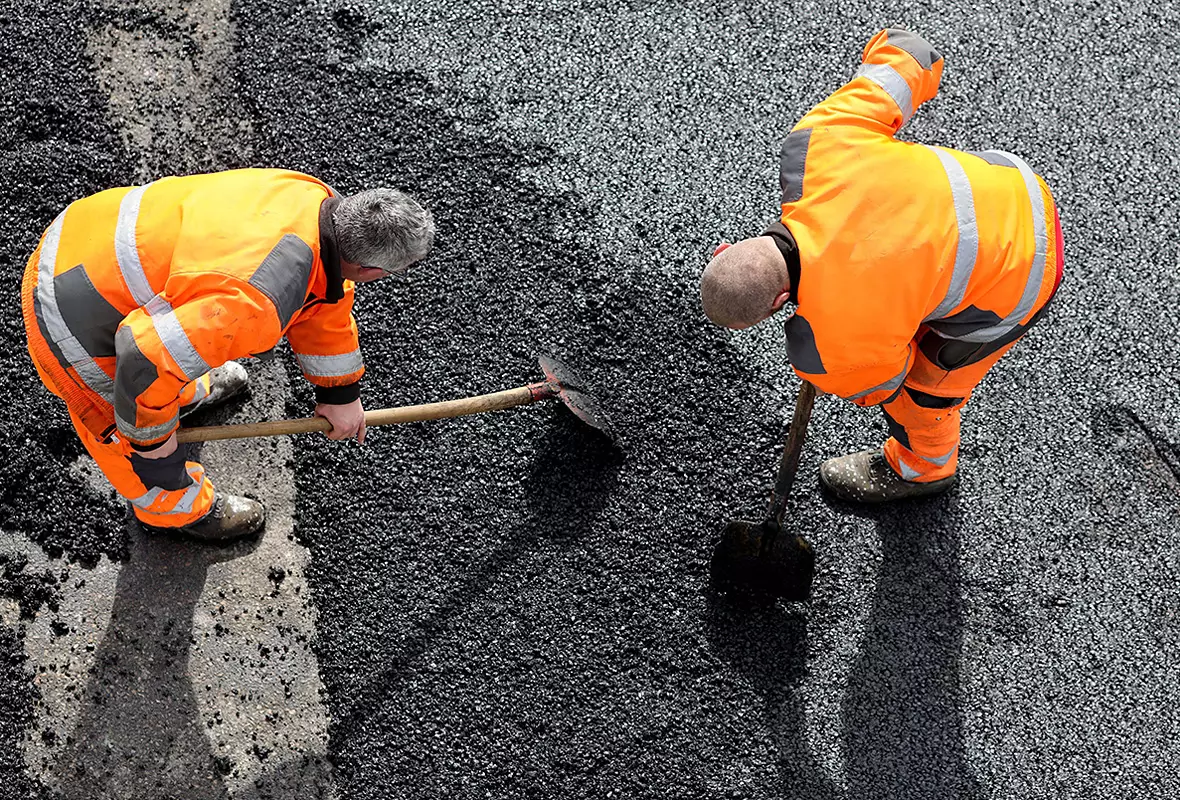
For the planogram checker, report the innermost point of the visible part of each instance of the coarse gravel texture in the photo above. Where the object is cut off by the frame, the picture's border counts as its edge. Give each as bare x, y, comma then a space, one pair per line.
507, 606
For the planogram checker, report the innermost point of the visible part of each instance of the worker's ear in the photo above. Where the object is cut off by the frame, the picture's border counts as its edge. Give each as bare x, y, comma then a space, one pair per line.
781, 299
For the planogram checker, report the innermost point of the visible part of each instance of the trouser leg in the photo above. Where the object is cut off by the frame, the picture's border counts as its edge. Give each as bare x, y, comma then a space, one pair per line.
164, 493
924, 441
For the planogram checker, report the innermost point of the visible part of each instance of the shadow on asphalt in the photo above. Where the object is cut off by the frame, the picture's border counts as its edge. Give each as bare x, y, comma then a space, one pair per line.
768, 647
139, 731
568, 486
902, 727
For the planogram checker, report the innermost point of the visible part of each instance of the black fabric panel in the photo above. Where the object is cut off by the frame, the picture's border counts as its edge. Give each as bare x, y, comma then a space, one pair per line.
925, 400
284, 274
801, 348
792, 162
133, 374
949, 355
969, 320
896, 430
166, 473
922, 51
87, 314
338, 395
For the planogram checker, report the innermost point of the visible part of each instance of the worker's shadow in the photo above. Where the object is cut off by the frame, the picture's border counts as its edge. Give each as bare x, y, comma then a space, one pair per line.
569, 484
139, 732
902, 712
768, 647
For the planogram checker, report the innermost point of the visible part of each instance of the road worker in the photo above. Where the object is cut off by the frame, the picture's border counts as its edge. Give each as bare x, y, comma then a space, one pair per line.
138, 301
911, 269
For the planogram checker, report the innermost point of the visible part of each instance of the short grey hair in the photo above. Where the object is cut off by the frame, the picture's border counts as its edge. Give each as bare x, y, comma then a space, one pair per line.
383, 228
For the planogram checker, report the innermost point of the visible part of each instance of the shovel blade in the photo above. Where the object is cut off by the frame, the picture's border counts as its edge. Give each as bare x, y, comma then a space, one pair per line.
573, 394
758, 563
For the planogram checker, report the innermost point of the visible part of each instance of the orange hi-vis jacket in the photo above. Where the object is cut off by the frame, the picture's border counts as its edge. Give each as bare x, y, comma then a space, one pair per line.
895, 238
134, 292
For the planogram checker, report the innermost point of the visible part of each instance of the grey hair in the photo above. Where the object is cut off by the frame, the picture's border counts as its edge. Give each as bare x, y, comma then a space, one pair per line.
383, 228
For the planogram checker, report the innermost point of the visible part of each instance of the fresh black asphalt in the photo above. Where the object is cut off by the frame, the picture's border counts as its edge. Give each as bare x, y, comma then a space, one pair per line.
508, 606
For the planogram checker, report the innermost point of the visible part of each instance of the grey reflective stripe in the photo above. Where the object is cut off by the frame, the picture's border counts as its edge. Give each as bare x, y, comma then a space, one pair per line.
145, 501
907, 472
792, 163
992, 157
94, 378
967, 248
940, 461
922, 51
126, 251
89, 316
175, 339
147, 434
1036, 273
284, 274
894, 85
185, 504
893, 383
331, 366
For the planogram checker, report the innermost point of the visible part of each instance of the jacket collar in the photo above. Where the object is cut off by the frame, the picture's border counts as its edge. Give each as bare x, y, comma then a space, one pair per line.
329, 252
790, 250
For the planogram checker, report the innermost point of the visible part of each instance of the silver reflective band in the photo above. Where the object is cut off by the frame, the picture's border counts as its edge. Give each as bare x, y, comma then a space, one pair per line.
95, 379
175, 339
894, 85
184, 505
907, 472
893, 383
330, 366
126, 251
145, 501
967, 249
129, 430
1036, 273
940, 461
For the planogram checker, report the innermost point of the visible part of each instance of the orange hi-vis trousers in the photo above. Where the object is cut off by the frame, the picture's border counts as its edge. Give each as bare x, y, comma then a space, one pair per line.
187, 494
923, 418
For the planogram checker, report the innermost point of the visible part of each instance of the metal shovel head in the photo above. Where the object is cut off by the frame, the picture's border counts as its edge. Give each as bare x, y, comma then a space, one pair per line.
572, 392
758, 563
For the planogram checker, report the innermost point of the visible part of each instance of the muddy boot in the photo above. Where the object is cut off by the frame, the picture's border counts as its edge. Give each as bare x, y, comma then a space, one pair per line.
866, 477
231, 518
225, 382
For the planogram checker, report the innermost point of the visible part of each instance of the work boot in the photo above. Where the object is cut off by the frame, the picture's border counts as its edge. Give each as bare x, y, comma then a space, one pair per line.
231, 518
866, 477
225, 382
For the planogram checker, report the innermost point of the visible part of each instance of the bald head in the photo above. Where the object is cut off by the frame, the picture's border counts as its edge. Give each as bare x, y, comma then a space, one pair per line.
745, 283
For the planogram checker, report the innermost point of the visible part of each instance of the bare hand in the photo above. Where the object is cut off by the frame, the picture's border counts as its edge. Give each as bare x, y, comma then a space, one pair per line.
348, 420
167, 448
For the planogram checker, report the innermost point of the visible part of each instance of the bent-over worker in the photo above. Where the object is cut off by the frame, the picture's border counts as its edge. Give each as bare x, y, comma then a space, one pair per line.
138, 299
912, 268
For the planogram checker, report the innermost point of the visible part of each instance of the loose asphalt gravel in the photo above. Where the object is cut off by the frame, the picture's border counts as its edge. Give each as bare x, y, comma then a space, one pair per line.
505, 605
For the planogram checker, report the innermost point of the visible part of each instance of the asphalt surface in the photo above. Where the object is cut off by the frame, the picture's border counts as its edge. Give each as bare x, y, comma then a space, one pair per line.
505, 605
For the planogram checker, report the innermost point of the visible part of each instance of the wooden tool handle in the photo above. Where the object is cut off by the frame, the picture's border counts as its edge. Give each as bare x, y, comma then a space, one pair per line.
495, 401
792, 452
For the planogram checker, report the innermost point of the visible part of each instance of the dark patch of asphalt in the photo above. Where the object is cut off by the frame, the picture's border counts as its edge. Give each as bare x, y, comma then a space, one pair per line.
509, 607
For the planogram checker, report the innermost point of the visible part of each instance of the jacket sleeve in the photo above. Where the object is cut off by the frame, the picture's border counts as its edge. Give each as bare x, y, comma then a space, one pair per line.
899, 71
178, 337
868, 374
325, 342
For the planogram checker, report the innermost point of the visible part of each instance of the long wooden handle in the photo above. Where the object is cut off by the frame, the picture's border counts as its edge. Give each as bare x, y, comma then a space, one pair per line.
791, 453
509, 398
